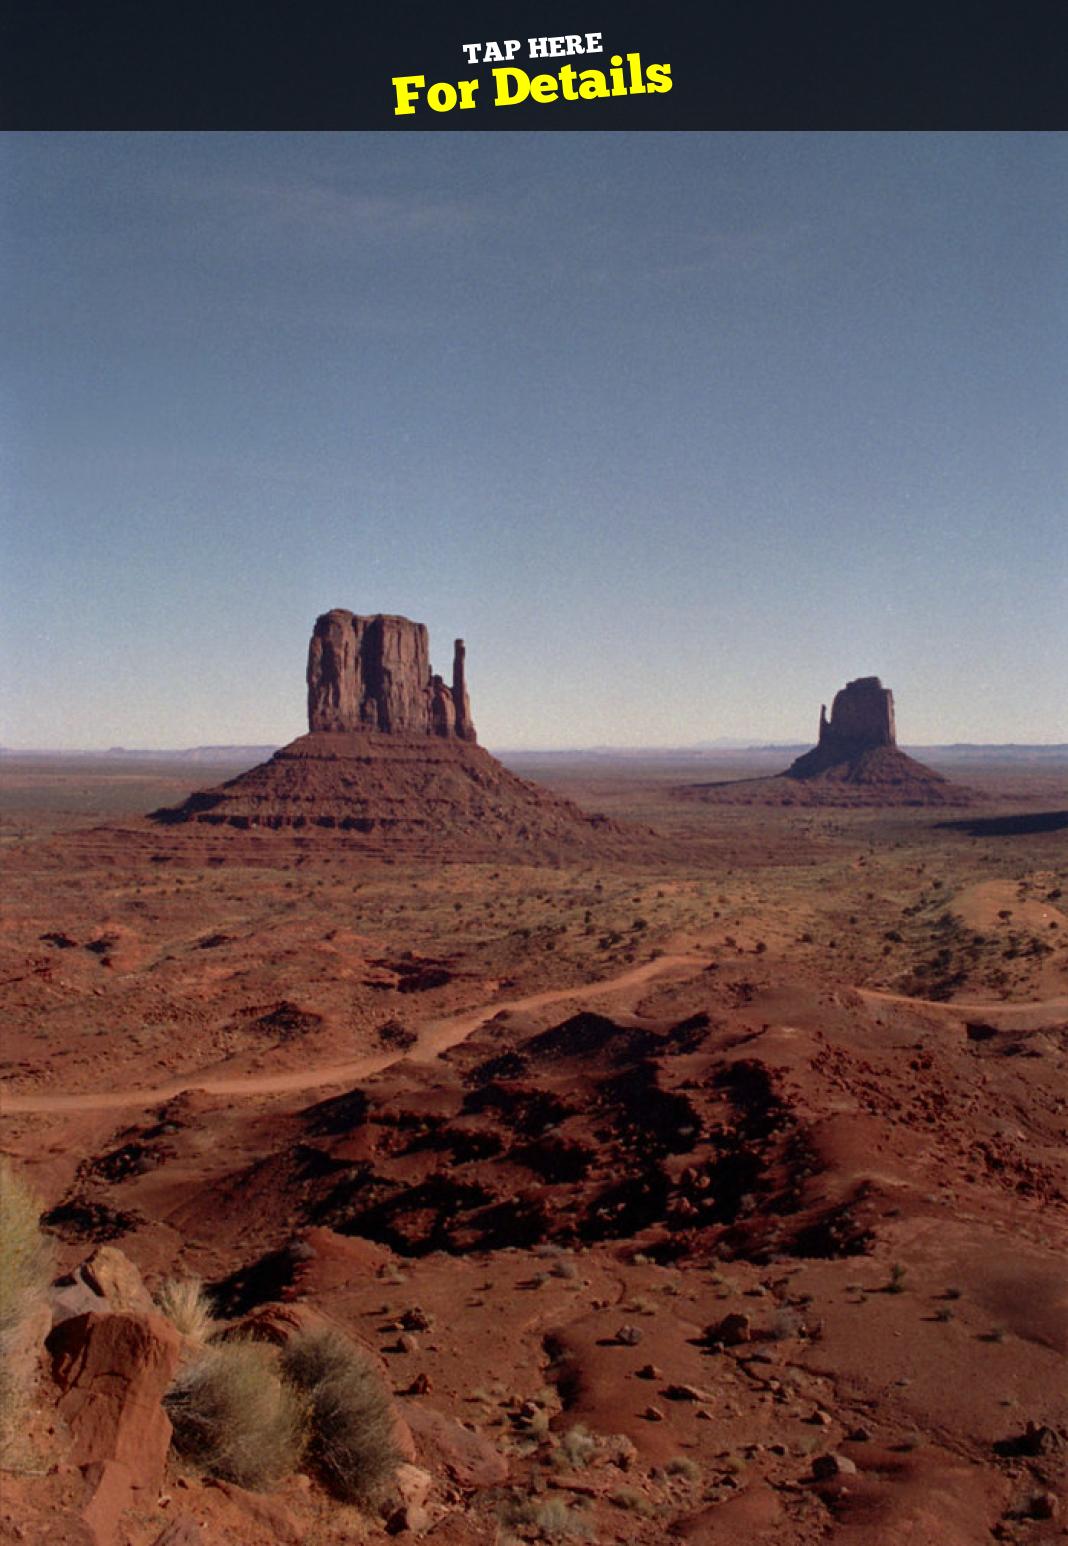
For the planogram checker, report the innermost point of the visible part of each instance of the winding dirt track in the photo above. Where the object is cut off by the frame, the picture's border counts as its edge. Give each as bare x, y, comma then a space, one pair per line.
434, 1037
1003, 1016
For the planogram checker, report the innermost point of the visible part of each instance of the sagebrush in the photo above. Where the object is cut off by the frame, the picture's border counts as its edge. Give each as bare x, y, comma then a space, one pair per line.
186, 1305
350, 1443
25, 1268
235, 1417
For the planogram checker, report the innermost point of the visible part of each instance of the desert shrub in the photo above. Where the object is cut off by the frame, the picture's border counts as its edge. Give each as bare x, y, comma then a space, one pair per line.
578, 1445
235, 1417
630, 1498
553, 1519
186, 1305
896, 1285
682, 1465
351, 1443
25, 1253
25, 1266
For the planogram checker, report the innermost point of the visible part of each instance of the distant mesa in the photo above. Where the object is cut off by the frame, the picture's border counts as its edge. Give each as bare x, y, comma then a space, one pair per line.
856, 761
391, 757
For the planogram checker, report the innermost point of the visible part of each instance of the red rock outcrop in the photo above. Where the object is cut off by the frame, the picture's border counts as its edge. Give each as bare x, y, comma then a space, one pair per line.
113, 1371
373, 673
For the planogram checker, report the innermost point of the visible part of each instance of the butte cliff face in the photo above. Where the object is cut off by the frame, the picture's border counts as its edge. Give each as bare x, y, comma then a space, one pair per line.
862, 716
391, 759
373, 673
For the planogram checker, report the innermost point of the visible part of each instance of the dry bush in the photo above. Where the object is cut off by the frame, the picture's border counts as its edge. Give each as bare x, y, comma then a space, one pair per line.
553, 1518
235, 1417
25, 1254
578, 1446
351, 1443
25, 1268
188, 1308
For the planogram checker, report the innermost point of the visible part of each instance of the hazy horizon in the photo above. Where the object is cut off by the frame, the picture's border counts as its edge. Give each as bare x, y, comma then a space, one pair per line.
680, 432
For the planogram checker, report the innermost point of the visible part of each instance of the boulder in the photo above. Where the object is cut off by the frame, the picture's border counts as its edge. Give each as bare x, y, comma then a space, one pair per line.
113, 1275
409, 1510
444, 1444
113, 1371
106, 1281
109, 1488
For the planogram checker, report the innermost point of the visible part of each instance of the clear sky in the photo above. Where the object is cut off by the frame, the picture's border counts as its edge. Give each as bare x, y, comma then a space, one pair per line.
679, 431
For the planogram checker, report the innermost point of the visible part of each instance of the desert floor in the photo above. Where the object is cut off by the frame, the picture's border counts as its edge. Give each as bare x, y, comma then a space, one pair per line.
801, 1069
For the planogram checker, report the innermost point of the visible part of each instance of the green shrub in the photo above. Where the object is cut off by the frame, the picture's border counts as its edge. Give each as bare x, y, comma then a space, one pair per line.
351, 1444
235, 1418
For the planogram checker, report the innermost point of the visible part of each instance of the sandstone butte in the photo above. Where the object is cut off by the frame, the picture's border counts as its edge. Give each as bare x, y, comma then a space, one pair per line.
856, 761
391, 760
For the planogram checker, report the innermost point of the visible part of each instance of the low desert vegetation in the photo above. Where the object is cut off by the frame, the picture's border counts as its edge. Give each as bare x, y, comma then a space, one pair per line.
188, 1308
552, 1518
577, 1446
25, 1267
235, 1417
350, 1442
25, 1253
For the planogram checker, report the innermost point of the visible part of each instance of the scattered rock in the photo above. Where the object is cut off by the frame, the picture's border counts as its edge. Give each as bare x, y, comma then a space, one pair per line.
1045, 1505
833, 1464
468, 1458
412, 1485
731, 1331
1036, 1439
416, 1319
271, 1515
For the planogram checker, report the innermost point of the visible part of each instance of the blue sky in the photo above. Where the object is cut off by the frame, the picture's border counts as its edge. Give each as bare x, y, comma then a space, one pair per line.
679, 431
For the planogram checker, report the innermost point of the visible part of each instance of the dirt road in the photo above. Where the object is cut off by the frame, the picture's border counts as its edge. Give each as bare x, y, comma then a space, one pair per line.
433, 1038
